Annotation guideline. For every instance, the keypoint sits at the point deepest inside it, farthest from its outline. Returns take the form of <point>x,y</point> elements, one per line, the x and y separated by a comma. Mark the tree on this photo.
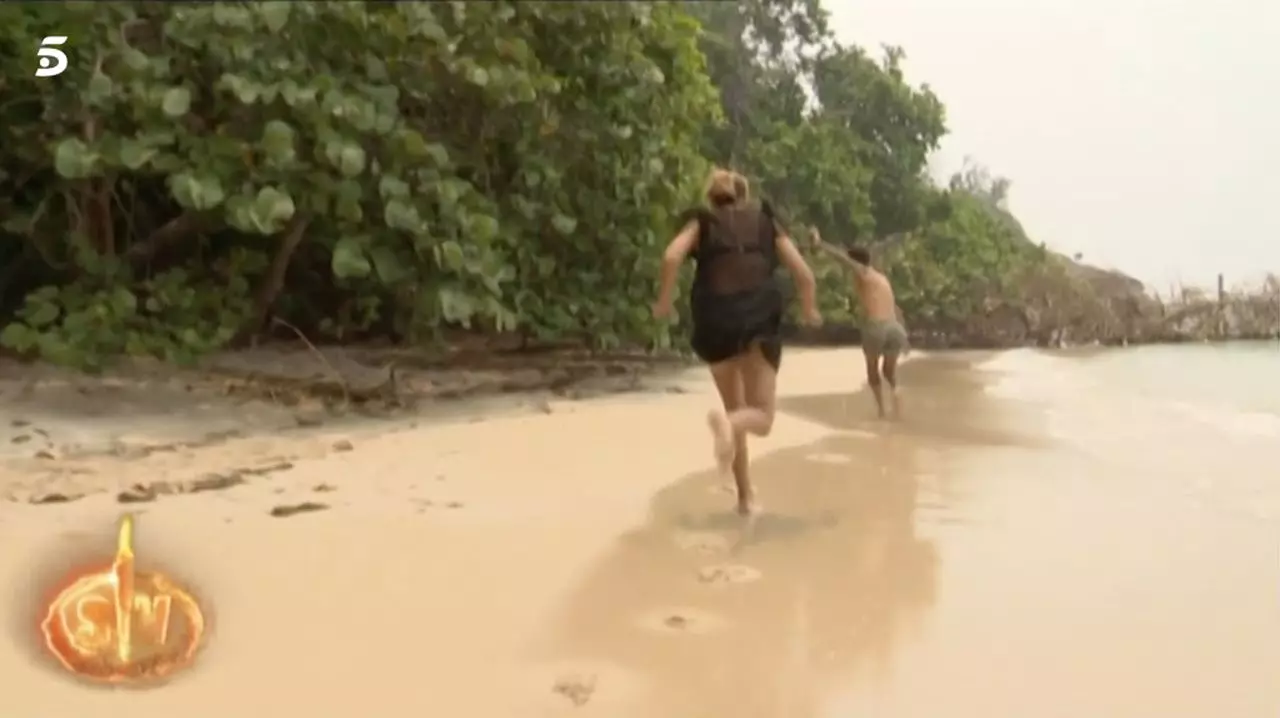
<point>399,170</point>
<point>392,168</point>
<point>896,126</point>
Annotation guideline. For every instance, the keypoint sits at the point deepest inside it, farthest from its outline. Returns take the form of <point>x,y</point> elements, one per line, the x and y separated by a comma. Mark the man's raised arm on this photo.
<point>840,255</point>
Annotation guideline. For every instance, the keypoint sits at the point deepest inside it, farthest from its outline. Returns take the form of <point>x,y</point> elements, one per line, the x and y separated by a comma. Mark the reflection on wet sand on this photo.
<point>708,616</point>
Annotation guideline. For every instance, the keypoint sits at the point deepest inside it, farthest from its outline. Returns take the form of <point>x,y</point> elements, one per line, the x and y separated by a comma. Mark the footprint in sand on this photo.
<point>682,620</point>
<point>707,544</point>
<point>578,688</point>
<point>578,683</point>
<point>728,573</point>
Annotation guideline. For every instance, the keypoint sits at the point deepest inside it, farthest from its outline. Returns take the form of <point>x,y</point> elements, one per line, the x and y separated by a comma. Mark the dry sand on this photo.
<point>585,562</point>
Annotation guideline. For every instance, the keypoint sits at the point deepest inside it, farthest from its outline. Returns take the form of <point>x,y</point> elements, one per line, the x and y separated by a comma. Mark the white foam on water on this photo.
<point>1145,417</point>
<point>1229,421</point>
<point>1030,375</point>
<point>1039,380</point>
<point>1096,405</point>
<point>828,458</point>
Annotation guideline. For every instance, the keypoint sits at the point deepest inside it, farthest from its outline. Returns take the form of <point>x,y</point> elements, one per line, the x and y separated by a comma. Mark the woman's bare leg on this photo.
<point>760,386</point>
<point>753,415</point>
<point>727,376</point>
<point>730,447</point>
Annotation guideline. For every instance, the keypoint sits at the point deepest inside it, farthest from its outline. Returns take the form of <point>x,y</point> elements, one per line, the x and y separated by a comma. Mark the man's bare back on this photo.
<point>884,337</point>
<point>876,295</point>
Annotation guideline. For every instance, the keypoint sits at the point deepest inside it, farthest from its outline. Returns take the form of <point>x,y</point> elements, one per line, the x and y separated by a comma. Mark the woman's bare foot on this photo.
<point>749,507</point>
<point>721,439</point>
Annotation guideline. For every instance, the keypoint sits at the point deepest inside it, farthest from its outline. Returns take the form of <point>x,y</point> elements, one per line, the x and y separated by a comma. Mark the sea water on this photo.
<point>1127,566</point>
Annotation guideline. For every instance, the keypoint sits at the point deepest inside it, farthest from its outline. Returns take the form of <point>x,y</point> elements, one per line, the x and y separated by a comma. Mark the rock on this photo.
<point>19,423</point>
<point>218,437</point>
<point>129,451</point>
<point>52,498</point>
<point>44,455</point>
<point>264,470</point>
<point>342,445</point>
<point>214,482</point>
<point>20,439</point>
<point>292,510</point>
<point>142,493</point>
<point>137,494</point>
<point>308,419</point>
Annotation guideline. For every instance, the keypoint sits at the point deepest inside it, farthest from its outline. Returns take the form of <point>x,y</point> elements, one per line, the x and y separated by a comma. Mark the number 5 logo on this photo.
<point>52,60</point>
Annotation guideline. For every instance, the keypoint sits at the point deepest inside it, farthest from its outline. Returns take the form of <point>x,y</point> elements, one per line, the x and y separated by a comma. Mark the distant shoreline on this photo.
<point>848,335</point>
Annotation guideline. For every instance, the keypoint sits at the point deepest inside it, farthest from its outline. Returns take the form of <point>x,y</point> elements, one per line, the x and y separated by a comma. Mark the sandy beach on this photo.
<point>582,560</point>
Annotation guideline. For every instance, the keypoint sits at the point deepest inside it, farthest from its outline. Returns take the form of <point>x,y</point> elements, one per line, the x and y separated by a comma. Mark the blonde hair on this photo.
<point>725,185</point>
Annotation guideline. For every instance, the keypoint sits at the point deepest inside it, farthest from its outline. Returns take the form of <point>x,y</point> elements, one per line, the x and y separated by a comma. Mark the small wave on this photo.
<point>1098,404</point>
<point>1031,375</point>
<point>1039,382</point>
<point>1233,422</point>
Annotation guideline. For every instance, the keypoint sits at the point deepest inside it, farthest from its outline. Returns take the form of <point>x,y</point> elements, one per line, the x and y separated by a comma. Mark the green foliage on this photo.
<point>849,155</point>
<point>501,166</point>
<point>399,168</point>
<point>956,267</point>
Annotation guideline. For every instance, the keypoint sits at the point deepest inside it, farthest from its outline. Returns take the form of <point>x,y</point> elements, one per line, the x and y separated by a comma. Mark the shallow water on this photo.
<point>1042,536</point>
<point>1131,570</point>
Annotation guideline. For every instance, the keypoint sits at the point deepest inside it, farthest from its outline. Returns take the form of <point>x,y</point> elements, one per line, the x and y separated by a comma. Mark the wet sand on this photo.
<point>585,562</point>
<point>771,619</point>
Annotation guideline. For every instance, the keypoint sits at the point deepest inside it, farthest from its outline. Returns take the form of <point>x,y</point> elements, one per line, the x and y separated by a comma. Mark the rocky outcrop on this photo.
<point>1064,302</point>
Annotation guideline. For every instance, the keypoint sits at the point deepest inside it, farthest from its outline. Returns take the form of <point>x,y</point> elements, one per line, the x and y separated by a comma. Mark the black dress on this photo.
<point>736,300</point>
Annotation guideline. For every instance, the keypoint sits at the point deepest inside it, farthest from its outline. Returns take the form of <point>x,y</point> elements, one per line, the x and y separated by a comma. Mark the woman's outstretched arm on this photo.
<point>806,285</point>
<point>672,257</point>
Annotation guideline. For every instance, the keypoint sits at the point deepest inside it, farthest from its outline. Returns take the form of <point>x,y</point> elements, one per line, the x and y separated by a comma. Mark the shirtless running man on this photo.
<point>884,338</point>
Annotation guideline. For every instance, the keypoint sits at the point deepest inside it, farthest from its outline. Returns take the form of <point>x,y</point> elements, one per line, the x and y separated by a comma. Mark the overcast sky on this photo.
<point>1144,134</point>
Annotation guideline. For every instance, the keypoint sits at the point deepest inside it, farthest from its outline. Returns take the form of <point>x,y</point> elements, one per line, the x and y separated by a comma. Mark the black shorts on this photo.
<point>715,350</point>
<point>727,326</point>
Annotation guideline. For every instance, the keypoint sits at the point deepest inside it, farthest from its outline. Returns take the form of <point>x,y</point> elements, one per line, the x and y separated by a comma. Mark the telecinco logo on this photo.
<point>52,60</point>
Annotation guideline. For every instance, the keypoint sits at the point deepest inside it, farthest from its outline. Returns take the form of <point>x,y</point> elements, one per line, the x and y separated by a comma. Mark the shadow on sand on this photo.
<point>706,615</point>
